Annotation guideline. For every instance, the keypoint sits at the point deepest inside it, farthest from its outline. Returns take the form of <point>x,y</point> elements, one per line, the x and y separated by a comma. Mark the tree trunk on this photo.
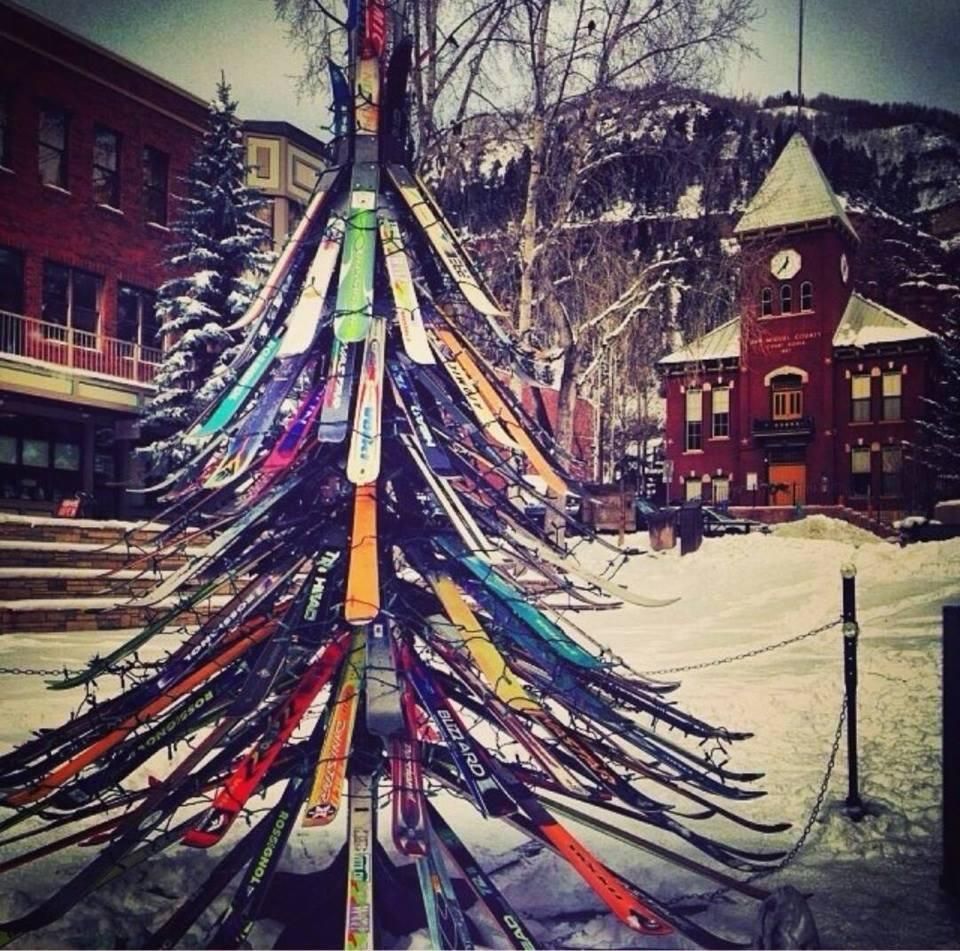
<point>528,228</point>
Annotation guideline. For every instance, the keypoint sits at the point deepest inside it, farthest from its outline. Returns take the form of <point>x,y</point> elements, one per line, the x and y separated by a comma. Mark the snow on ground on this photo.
<point>873,884</point>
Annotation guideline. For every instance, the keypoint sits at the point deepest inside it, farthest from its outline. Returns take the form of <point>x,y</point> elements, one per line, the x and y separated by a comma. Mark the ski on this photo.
<point>484,416</point>
<point>405,301</point>
<point>363,458</point>
<point>58,776</point>
<point>286,262</point>
<point>384,713</point>
<point>410,833</point>
<point>236,396</point>
<point>471,759</point>
<point>267,851</point>
<point>249,773</point>
<point>488,393</point>
<point>405,396</point>
<point>443,242</point>
<point>326,792</point>
<point>338,393</point>
<point>506,918</point>
<point>448,905</point>
<point>363,576</point>
<point>359,932</point>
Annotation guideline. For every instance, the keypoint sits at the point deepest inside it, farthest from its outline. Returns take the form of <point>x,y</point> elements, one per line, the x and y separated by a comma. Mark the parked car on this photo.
<point>644,509</point>
<point>717,522</point>
<point>537,510</point>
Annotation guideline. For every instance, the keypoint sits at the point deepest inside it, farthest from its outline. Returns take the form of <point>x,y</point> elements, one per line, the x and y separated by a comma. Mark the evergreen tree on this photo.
<point>941,451</point>
<point>217,260</point>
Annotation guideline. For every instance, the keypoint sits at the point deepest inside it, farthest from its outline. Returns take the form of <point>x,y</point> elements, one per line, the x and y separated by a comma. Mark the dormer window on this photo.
<point>786,299</point>
<point>766,302</point>
<point>806,296</point>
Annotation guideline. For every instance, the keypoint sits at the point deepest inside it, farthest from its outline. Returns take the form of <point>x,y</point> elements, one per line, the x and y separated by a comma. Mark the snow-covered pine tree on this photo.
<point>941,451</point>
<point>221,250</point>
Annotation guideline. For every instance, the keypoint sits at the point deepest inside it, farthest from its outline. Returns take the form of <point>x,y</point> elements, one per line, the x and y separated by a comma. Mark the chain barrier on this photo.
<point>795,849</point>
<point>120,670</point>
<point>756,652</point>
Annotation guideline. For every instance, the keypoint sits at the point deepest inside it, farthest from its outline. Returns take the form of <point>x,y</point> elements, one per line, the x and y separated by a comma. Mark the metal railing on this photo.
<point>77,350</point>
<point>803,425</point>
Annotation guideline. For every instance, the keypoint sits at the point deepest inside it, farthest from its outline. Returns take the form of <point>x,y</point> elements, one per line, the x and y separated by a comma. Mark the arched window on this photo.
<point>786,299</point>
<point>766,302</point>
<point>806,296</point>
<point>787,396</point>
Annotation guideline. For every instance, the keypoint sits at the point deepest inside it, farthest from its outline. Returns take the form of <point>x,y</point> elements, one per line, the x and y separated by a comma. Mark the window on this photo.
<point>66,456</point>
<point>860,398</point>
<point>892,408</point>
<point>137,317</point>
<point>36,453</point>
<point>5,158</point>
<point>295,213</point>
<point>71,298</point>
<point>53,146</point>
<point>787,397</point>
<point>806,296</point>
<point>692,490</point>
<point>693,430</point>
<point>721,412</point>
<point>766,302</point>
<point>721,489</point>
<point>786,299</point>
<point>155,185</point>
<point>263,161</point>
<point>860,472</point>
<point>891,474</point>
<point>106,167</point>
<point>11,280</point>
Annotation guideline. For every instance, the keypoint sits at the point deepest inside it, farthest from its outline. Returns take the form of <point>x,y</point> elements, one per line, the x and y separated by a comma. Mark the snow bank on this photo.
<point>737,595</point>
<point>827,529</point>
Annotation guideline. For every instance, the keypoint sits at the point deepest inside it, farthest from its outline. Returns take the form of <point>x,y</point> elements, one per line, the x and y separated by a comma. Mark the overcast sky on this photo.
<point>882,50</point>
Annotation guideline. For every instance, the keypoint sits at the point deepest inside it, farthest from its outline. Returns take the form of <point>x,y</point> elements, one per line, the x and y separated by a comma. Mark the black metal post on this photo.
<point>851,634</point>
<point>950,879</point>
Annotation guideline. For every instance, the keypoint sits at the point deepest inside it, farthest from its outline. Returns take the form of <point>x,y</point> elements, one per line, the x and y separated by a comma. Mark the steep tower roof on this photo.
<point>795,191</point>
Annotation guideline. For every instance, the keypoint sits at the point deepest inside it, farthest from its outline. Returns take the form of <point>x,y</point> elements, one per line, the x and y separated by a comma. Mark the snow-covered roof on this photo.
<point>795,191</point>
<point>722,343</point>
<point>865,322</point>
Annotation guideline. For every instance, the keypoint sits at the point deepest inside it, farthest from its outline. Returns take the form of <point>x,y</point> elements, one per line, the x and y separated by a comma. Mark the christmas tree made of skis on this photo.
<point>358,481</point>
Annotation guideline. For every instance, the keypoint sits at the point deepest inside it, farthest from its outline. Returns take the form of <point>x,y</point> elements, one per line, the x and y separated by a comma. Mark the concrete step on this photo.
<point>80,531</point>
<point>27,555</point>
<point>31,582</point>
<point>93,614</point>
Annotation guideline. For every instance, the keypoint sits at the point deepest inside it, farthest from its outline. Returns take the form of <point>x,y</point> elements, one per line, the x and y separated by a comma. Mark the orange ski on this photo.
<point>363,576</point>
<point>502,412</point>
<point>57,777</point>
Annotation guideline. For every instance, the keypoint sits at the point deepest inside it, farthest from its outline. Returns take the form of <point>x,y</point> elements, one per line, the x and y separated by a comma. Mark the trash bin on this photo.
<point>662,526</point>
<point>690,527</point>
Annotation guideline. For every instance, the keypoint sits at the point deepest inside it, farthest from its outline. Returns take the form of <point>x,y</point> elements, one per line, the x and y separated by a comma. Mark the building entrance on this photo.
<point>788,483</point>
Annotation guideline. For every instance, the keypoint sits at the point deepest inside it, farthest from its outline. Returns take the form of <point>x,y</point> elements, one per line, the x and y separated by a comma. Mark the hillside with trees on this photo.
<point>671,175</point>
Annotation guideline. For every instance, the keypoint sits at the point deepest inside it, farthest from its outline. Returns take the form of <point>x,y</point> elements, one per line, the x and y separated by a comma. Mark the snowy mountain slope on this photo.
<point>683,169</point>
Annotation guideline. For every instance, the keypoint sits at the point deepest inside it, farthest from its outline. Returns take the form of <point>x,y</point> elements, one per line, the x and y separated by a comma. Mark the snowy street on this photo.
<point>873,885</point>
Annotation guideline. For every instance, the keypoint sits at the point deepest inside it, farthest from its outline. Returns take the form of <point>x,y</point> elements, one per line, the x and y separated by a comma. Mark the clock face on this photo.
<point>844,269</point>
<point>785,264</point>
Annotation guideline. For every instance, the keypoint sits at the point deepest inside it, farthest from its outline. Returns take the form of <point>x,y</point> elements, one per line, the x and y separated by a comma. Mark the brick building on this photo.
<point>91,150</point>
<point>810,394</point>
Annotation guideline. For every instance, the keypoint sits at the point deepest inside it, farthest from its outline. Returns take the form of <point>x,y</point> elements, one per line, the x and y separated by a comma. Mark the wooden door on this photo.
<point>788,483</point>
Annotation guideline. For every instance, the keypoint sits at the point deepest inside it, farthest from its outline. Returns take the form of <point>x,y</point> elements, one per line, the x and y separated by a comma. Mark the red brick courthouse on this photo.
<point>809,395</point>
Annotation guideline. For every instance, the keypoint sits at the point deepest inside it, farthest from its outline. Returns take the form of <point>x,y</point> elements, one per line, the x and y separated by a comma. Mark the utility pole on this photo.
<point>800,67</point>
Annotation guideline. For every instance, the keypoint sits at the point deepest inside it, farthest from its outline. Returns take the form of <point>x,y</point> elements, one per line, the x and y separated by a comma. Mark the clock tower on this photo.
<point>797,248</point>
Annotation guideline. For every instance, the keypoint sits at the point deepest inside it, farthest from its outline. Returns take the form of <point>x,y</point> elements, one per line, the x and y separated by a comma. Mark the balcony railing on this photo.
<point>77,350</point>
<point>767,428</point>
